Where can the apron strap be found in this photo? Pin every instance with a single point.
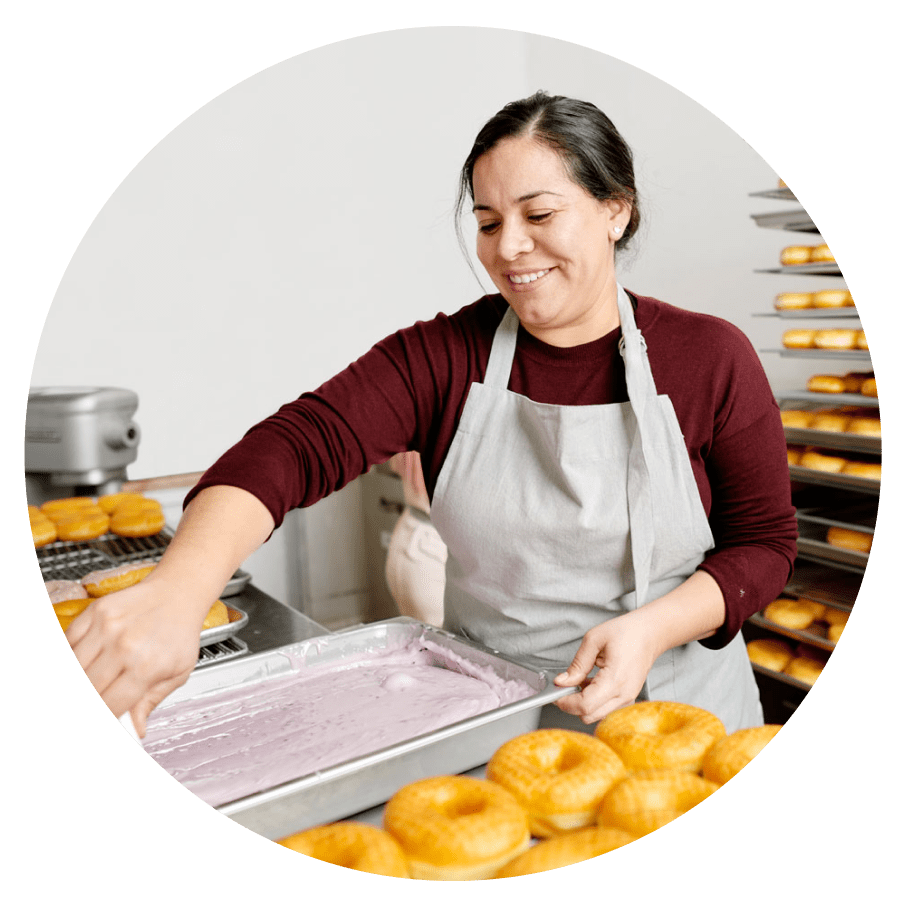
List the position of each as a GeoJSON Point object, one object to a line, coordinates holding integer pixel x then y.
{"type": "Point", "coordinates": [501, 358]}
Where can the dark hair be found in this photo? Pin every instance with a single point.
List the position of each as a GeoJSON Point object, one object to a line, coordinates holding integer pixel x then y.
{"type": "Point", "coordinates": [596, 156]}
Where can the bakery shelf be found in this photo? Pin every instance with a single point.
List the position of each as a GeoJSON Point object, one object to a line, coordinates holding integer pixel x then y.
{"type": "Point", "coordinates": [829, 399]}
{"type": "Point", "coordinates": [857, 355]}
{"type": "Point", "coordinates": [782, 677]}
{"type": "Point", "coordinates": [816, 269]}
{"type": "Point", "coordinates": [807, 638]}
{"type": "Point", "coordinates": [781, 193]}
{"type": "Point", "coordinates": [851, 443]}
{"type": "Point", "coordinates": [809, 314]}
{"type": "Point", "coordinates": [796, 220]}
{"type": "Point", "coordinates": [835, 480]}
{"type": "Point", "coordinates": [829, 586]}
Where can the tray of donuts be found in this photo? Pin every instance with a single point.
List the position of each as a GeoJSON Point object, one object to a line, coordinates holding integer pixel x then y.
{"type": "Point", "coordinates": [824, 303]}
{"type": "Point", "coordinates": [71, 597]}
{"type": "Point", "coordinates": [546, 799]}
{"type": "Point", "coordinates": [834, 539]}
{"type": "Point", "coordinates": [840, 342]}
{"type": "Point", "coordinates": [834, 468]}
{"type": "Point", "coordinates": [793, 660]}
{"type": "Point", "coordinates": [853, 428]}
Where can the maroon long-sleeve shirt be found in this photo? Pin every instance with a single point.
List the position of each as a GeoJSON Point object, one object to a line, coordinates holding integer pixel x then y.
{"type": "Point", "coordinates": [408, 392]}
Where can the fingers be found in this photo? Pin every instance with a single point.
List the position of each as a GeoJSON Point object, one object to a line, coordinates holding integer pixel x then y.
{"type": "Point", "coordinates": [583, 662]}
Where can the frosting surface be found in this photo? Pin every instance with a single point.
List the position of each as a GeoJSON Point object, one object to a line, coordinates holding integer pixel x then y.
{"type": "Point", "coordinates": [248, 738]}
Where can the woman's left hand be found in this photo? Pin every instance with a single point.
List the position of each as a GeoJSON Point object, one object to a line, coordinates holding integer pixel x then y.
{"type": "Point", "coordinates": [623, 651]}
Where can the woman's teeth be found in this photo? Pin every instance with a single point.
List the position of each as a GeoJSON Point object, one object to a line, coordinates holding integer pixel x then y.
{"type": "Point", "coordinates": [527, 278]}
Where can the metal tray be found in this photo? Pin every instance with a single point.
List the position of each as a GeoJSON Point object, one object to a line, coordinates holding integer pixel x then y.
{"type": "Point", "coordinates": [362, 783]}
{"type": "Point", "coordinates": [238, 619]}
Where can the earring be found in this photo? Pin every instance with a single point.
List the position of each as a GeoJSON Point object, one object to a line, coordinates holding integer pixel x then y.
{"type": "Point", "coordinates": [618, 231]}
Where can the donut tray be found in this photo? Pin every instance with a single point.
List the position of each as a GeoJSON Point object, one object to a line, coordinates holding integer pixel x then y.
{"type": "Point", "coordinates": [365, 782]}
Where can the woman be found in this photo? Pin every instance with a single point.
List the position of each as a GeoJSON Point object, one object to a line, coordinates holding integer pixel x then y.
{"type": "Point", "coordinates": [607, 471]}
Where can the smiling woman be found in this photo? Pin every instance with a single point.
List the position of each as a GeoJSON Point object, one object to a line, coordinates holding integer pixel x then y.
{"type": "Point", "coordinates": [609, 472]}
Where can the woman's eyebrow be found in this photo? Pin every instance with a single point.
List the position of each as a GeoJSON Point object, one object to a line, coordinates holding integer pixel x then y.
{"type": "Point", "coordinates": [527, 197]}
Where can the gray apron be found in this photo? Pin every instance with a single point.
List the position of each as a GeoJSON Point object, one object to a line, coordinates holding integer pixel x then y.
{"type": "Point", "coordinates": [558, 518]}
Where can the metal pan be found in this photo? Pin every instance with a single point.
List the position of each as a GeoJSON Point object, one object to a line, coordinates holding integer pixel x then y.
{"type": "Point", "coordinates": [362, 783]}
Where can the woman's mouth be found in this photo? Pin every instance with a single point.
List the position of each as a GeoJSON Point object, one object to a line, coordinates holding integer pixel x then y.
{"type": "Point", "coordinates": [519, 279]}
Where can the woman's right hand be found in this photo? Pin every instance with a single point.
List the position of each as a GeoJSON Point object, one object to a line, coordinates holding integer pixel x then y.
{"type": "Point", "coordinates": [138, 645]}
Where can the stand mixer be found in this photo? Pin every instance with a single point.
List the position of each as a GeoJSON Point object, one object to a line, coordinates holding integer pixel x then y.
{"type": "Point", "coordinates": [78, 441]}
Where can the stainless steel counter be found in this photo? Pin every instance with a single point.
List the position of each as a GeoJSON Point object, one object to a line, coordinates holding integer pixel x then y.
{"type": "Point", "coordinates": [271, 623]}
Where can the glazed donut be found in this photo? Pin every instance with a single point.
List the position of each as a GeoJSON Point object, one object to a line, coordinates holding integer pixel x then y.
{"type": "Point", "coordinates": [822, 462]}
{"type": "Point", "coordinates": [834, 633]}
{"type": "Point", "coordinates": [106, 581]}
{"type": "Point", "coordinates": [796, 418]}
{"type": "Point", "coordinates": [806, 669]}
{"type": "Point", "coordinates": [839, 338]}
{"type": "Point", "coordinates": [648, 800]}
{"type": "Point", "coordinates": [861, 341]}
{"type": "Point", "coordinates": [773, 654]}
{"type": "Point", "coordinates": [733, 753]}
{"type": "Point", "coordinates": [82, 526]}
{"type": "Point", "coordinates": [69, 610]}
{"type": "Point", "coordinates": [790, 301]}
{"type": "Point", "coordinates": [826, 383]}
{"type": "Point", "coordinates": [866, 425]}
{"type": "Point", "coordinates": [849, 539]}
{"type": "Point", "coordinates": [567, 849]}
{"type": "Point", "coordinates": [64, 505]}
{"type": "Point", "coordinates": [217, 616]}
{"type": "Point", "coordinates": [558, 776]}
{"type": "Point", "coordinates": [793, 614]}
{"type": "Point", "coordinates": [795, 254]}
{"type": "Point", "coordinates": [456, 828]}
{"type": "Point", "coordinates": [832, 298]}
{"type": "Point", "coordinates": [351, 844]}
{"type": "Point", "coordinates": [798, 338]}
{"type": "Point", "coordinates": [137, 521]}
{"type": "Point", "coordinates": [110, 503]}
{"type": "Point", "coordinates": [868, 388]}
{"type": "Point", "coordinates": [43, 531]}
{"type": "Point", "coordinates": [660, 734]}
{"type": "Point", "coordinates": [829, 420]}
{"type": "Point", "coordinates": [821, 253]}
{"type": "Point", "coordinates": [64, 590]}
{"type": "Point", "coordinates": [873, 470]}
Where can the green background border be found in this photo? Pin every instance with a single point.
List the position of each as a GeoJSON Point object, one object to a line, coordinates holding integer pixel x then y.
{"type": "Point", "coordinates": [92, 86]}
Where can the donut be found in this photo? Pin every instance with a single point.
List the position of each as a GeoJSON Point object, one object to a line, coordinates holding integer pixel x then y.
{"type": "Point", "coordinates": [64, 505]}
{"type": "Point", "coordinates": [868, 388]}
{"type": "Point", "coordinates": [873, 470]}
{"type": "Point", "coordinates": [82, 526]}
{"type": "Point", "coordinates": [834, 633]}
{"type": "Point", "coordinates": [137, 521]}
{"type": "Point", "coordinates": [567, 849]}
{"type": "Point", "coordinates": [106, 581]}
{"type": "Point", "coordinates": [795, 254]}
{"type": "Point", "coordinates": [730, 755]}
{"type": "Point", "coordinates": [790, 301]}
{"type": "Point", "coordinates": [866, 425]}
{"type": "Point", "coordinates": [838, 338]}
{"type": "Point", "coordinates": [821, 253]}
{"type": "Point", "coordinates": [71, 609]}
{"type": "Point", "coordinates": [861, 341]}
{"type": "Point", "coordinates": [832, 298]}
{"type": "Point", "coordinates": [793, 614]}
{"type": "Point", "coordinates": [822, 462]}
{"type": "Point", "coordinates": [798, 338]}
{"type": "Point", "coordinates": [829, 420]}
{"type": "Point", "coordinates": [558, 776]}
{"type": "Point", "coordinates": [64, 590]}
{"type": "Point", "coordinates": [854, 380]}
{"type": "Point", "coordinates": [351, 844]}
{"type": "Point", "coordinates": [43, 531]}
{"type": "Point", "coordinates": [794, 455]}
{"type": "Point", "coordinates": [647, 800]}
{"type": "Point", "coordinates": [806, 669]}
{"type": "Point", "coordinates": [111, 502]}
{"type": "Point", "coordinates": [826, 383]}
{"type": "Point", "coordinates": [834, 616]}
{"type": "Point", "coordinates": [796, 418]}
{"type": "Point", "coordinates": [660, 734]}
{"type": "Point", "coordinates": [456, 828]}
{"type": "Point", "coordinates": [217, 616]}
{"type": "Point", "coordinates": [849, 539]}
{"type": "Point", "coordinates": [773, 654]}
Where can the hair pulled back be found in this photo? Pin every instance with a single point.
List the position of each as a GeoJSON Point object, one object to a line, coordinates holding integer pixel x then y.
{"type": "Point", "coordinates": [596, 156]}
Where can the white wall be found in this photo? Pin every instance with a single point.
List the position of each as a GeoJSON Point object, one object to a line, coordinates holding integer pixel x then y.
{"type": "Point", "coordinates": [304, 214]}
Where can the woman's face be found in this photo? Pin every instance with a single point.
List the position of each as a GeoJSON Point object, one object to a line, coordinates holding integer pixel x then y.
{"type": "Point", "coordinates": [547, 244]}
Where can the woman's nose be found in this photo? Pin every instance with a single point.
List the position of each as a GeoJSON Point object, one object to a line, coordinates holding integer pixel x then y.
{"type": "Point", "coordinates": [514, 240]}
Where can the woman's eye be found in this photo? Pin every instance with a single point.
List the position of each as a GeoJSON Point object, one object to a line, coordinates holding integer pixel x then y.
{"type": "Point", "coordinates": [539, 218]}
{"type": "Point", "coordinates": [487, 227]}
